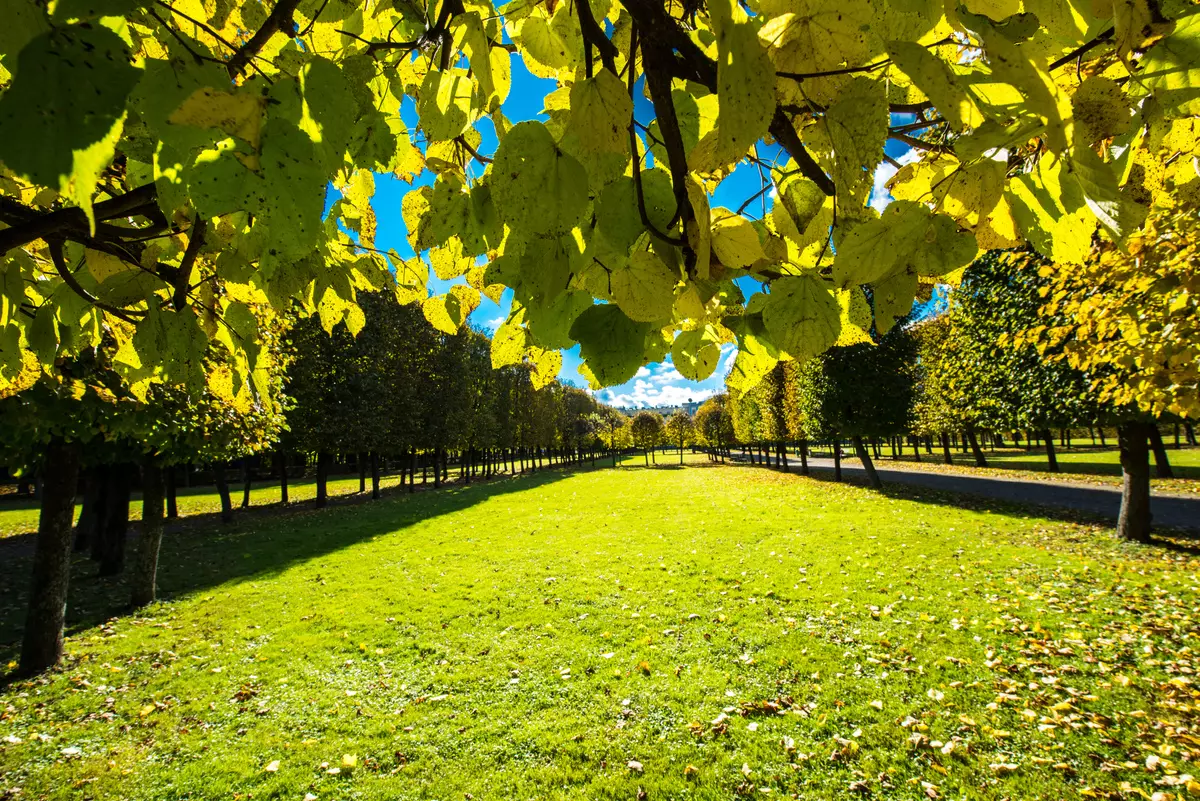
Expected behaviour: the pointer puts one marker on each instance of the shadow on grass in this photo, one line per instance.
(1023, 499)
(198, 552)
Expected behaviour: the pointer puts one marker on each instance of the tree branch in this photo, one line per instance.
(920, 144)
(475, 154)
(279, 20)
(184, 273)
(1102, 37)
(637, 161)
(659, 82)
(39, 225)
(786, 136)
(60, 264)
(594, 35)
(803, 76)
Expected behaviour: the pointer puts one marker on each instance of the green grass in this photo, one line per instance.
(530, 638)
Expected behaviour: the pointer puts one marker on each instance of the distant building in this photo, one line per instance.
(666, 411)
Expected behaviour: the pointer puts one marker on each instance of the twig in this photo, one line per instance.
(184, 273)
(1102, 37)
(803, 76)
(280, 19)
(60, 264)
(462, 140)
(637, 162)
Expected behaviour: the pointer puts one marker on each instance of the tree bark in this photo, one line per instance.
(222, 482)
(916, 443)
(172, 501)
(1051, 457)
(804, 457)
(245, 482)
(1134, 521)
(375, 475)
(360, 457)
(145, 572)
(1162, 465)
(865, 457)
(980, 460)
(109, 546)
(281, 458)
(837, 460)
(947, 457)
(93, 509)
(323, 461)
(42, 646)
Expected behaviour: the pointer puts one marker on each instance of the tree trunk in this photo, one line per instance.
(804, 457)
(837, 460)
(222, 481)
(245, 482)
(782, 457)
(324, 459)
(412, 470)
(145, 571)
(1162, 465)
(1189, 432)
(437, 467)
(916, 443)
(973, 441)
(42, 646)
(1103, 441)
(947, 457)
(375, 475)
(172, 503)
(865, 457)
(1134, 521)
(93, 509)
(109, 546)
(1051, 457)
(362, 471)
(281, 457)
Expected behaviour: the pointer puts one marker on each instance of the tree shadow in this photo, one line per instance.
(198, 552)
(1024, 499)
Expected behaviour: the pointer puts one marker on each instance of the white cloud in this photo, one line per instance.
(493, 324)
(642, 372)
(728, 355)
(644, 394)
(880, 196)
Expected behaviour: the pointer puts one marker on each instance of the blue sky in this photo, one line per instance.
(656, 384)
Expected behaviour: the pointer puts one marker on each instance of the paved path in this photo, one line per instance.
(1174, 510)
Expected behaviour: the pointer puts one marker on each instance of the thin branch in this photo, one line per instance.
(280, 19)
(915, 126)
(60, 264)
(919, 144)
(803, 76)
(199, 57)
(313, 21)
(786, 136)
(184, 273)
(199, 25)
(1102, 37)
(753, 198)
(475, 154)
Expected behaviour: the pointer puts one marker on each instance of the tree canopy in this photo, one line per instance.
(168, 164)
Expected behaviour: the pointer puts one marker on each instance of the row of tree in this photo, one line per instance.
(387, 388)
(1009, 355)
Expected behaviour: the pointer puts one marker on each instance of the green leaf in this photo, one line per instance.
(612, 345)
(735, 241)
(538, 189)
(644, 288)
(858, 128)
(551, 324)
(600, 114)
(1171, 68)
(617, 214)
(745, 81)
(894, 299)
(508, 344)
(907, 236)
(64, 111)
(935, 78)
(445, 105)
(81, 10)
(801, 316)
(696, 352)
(174, 342)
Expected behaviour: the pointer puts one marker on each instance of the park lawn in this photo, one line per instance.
(21, 516)
(698, 632)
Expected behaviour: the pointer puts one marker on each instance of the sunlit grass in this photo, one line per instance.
(698, 632)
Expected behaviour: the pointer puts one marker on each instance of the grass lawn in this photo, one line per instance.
(673, 633)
